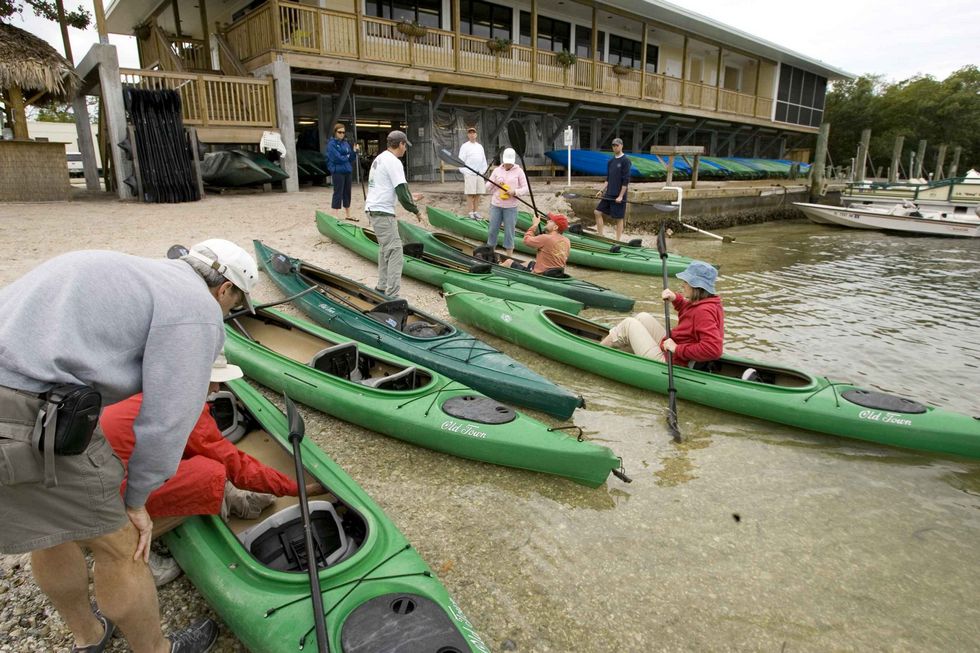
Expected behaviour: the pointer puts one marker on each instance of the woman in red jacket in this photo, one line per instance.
(700, 331)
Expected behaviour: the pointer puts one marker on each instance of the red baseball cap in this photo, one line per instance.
(559, 220)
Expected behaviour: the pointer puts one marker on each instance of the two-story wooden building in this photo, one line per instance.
(648, 72)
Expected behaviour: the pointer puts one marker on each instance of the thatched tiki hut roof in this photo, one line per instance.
(29, 67)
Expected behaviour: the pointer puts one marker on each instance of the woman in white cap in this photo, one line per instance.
(699, 334)
(508, 184)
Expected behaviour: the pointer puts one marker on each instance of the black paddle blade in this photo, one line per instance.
(665, 208)
(675, 432)
(446, 156)
(662, 241)
(517, 136)
(296, 426)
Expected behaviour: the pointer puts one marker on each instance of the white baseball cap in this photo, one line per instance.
(222, 370)
(232, 262)
(509, 156)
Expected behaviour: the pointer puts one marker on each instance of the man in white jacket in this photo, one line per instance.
(472, 154)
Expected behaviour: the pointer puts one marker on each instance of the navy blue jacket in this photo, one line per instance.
(339, 156)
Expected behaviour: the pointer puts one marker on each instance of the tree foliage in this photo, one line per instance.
(921, 108)
(79, 17)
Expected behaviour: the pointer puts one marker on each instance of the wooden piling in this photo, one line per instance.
(819, 162)
(896, 159)
(920, 157)
(940, 161)
(862, 156)
(954, 167)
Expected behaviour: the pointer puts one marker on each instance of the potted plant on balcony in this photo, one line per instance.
(498, 45)
(620, 69)
(566, 59)
(412, 29)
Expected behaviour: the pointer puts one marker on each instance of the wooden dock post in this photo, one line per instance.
(671, 151)
(954, 167)
(862, 156)
(940, 161)
(920, 156)
(819, 162)
(896, 159)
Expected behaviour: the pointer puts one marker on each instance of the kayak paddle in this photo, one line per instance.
(448, 157)
(518, 138)
(296, 431)
(671, 391)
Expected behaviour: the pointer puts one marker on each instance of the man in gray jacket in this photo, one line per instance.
(120, 325)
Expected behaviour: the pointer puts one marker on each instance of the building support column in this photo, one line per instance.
(324, 110)
(279, 71)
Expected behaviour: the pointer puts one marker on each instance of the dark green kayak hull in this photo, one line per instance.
(592, 256)
(242, 590)
(456, 354)
(418, 416)
(810, 402)
(355, 239)
(588, 293)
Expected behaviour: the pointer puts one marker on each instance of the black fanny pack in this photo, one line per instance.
(71, 413)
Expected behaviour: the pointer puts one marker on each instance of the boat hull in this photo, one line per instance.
(454, 353)
(812, 403)
(242, 590)
(419, 416)
(625, 260)
(589, 294)
(856, 218)
(356, 239)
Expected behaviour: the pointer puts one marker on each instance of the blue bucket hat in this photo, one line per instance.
(700, 275)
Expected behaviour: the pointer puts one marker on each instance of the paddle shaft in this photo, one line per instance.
(446, 154)
(724, 239)
(671, 390)
(311, 566)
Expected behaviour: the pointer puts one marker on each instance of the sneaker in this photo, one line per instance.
(196, 638)
(751, 374)
(477, 216)
(163, 568)
(244, 504)
(102, 643)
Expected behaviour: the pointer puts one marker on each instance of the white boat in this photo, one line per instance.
(905, 218)
(958, 196)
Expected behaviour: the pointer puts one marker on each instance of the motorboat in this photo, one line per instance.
(905, 217)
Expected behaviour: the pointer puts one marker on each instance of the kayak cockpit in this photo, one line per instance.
(275, 538)
(341, 359)
(753, 372)
(394, 313)
(417, 251)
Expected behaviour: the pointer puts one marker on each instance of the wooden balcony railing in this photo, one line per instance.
(307, 29)
(213, 100)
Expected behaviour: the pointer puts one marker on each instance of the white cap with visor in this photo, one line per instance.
(232, 262)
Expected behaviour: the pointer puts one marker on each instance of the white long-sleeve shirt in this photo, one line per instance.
(472, 154)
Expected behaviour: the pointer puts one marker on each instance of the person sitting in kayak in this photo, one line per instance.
(552, 246)
(213, 477)
(700, 331)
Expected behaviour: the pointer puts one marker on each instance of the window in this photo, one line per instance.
(624, 51)
(479, 18)
(653, 55)
(733, 78)
(583, 43)
(554, 35)
(424, 12)
(800, 97)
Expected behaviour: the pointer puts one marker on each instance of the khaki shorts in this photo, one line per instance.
(84, 504)
(473, 185)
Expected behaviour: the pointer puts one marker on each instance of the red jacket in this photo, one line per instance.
(700, 330)
(198, 485)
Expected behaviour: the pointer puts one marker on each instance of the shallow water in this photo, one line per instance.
(751, 536)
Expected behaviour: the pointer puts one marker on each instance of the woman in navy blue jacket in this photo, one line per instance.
(340, 155)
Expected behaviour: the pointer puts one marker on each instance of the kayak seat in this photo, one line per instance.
(424, 330)
(341, 360)
(413, 250)
(480, 268)
(711, 367)
(616, 249)
(636, 242)
(486, 253)
(575, 228)
(555, 273)
(392, 313)
(223, 406)
(403, 379)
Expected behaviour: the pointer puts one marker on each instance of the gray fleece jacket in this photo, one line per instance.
(123, 325)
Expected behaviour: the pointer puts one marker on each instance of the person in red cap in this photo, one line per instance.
(552, 246)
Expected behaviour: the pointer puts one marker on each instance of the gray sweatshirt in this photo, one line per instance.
(123, 325)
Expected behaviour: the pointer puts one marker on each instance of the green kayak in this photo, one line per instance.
(462, 251)
(386, 394)
(623, 259)
(437, 271)
(356, 311)
(780, 394)
(254, 572)
(577, 235)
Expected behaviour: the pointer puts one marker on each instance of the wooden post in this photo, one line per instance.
(896, 159)
(205, 30)
(136, 162)
(456, 31)
(595, 48)
(954, 167)
(862, 155)
(920, 157)
(202, 99)
(940, 161)
(643, 68)
(683, 74)
(670, 169)
(717, 80)
(758, 74)
(196, 162)
(359, 26)
(17, 113)
(694, 171)
(819, 162)
(176, 10)
(277, 23)
(100, 22)
(534, 40)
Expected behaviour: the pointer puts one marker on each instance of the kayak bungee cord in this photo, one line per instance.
(832, 386)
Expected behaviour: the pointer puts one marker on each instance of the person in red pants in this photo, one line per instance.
(213, 477)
